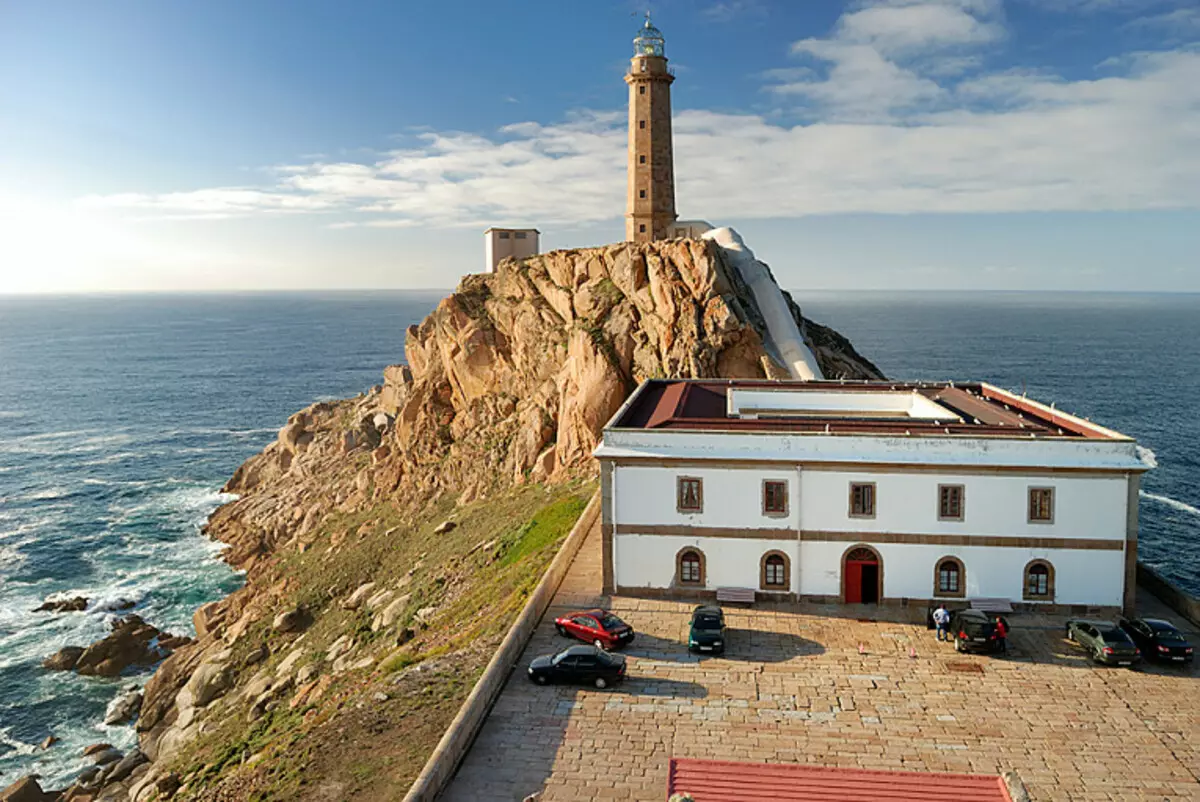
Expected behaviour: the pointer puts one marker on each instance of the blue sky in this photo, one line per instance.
(879, 144)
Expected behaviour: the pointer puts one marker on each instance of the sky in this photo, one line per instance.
(873, 144)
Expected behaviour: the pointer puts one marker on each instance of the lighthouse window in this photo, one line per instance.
(641, 90)
(641, 159)
(641, 193)
(642, 228)
(641, 123)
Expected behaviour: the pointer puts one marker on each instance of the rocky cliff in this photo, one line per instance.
(369, 530)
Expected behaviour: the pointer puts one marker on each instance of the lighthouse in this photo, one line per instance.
(650, 210)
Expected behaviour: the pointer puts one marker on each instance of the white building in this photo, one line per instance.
(500, 243)
(894, 493)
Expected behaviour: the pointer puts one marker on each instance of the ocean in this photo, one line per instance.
(122, 416)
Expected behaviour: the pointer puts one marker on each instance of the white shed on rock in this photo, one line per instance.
(890, 493)
(501, 243)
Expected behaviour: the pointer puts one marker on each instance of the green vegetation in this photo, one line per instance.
(465, 588)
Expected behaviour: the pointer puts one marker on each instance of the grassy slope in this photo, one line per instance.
(351, 743)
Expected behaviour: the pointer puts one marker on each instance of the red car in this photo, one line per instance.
(597, 627)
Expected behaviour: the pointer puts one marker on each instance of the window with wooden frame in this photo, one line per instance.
(1041, 505)
(949, 578)
(1039, 581)
(691, 567)
(862, 500)
(950, 502)
(689, 494)
(776, 571)
(775, 498)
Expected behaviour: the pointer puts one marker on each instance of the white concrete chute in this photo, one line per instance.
(782, 331)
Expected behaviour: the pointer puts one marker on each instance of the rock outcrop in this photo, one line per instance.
(510, 380)
(131, 642)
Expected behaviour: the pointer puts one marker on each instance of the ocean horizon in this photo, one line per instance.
(122, 415)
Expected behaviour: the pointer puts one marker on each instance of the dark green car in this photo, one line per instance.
(707, 633)
(1105, 641)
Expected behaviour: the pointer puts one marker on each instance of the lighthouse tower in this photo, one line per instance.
(650, 209)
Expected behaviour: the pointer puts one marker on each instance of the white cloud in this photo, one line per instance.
(903, 118)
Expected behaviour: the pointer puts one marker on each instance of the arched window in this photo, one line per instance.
(690, 567)
(775, 571)
(1039, 581)
(862, 554)
(950, 578)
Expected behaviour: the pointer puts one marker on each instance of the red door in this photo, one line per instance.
(853, 582)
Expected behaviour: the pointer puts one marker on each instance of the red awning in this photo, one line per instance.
(725, 781)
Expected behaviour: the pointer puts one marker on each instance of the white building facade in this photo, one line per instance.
(866, 493)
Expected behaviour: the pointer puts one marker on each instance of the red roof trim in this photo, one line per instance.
(728, 781)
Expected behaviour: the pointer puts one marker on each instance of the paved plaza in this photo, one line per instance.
(836, 686)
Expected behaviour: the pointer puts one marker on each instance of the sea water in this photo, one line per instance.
(122, 416)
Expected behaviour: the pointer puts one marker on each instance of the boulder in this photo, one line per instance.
(132, 642)
(291, 620)
(25, 790)
(391, 614)
(124, 707)
(209, 681)
(126, 765)
(64, 659)
(96, 749)
(72, 605)
(208, 618)
(360, 595)
(444, 527)
(49, 741)
(105, 757)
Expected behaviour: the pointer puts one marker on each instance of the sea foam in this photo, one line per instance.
(1170, 502)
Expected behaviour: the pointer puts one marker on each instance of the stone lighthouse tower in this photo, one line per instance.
(650, 209)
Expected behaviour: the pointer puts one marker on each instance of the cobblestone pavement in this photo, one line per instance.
(836, 686)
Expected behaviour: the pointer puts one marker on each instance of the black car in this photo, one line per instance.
(707, 633)
(1158, 639)
(975, 631)
(1105, 641)
(579, 664)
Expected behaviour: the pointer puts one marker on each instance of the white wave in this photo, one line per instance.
(1148, 457)
(20, 747)
(45, 494)
(10, 414)
(1170, 502)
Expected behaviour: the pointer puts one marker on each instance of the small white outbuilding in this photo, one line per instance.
(500, 243)
(887, 493)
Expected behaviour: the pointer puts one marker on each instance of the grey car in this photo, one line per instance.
(1105, 641)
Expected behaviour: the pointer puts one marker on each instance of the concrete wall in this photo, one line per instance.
(441, 765)
(1171, 595)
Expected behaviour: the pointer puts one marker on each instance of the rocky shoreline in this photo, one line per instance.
(505, 389)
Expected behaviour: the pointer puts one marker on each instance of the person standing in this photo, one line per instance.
(1001, 635)
(941, 619)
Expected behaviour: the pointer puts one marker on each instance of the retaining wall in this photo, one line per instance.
(450, 751)
(1173, 596)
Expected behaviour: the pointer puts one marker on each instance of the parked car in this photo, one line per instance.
(707, 633)
(1105, 641)
(585, 665)
(1158, 639)
(975, 631)
(597, 627)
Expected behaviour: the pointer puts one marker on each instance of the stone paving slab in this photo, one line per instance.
(836, 686)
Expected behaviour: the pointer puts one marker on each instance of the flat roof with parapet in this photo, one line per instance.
(858, 408)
